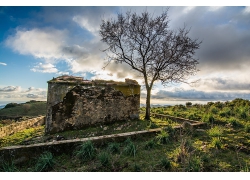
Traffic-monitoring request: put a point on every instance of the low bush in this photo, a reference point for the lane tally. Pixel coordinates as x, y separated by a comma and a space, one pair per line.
130, 148
162, 137
165, 163
114, 147
104, 158
8, 167
234, 122
86, 151
247, 128
45, 162
216, 143
195, 164
216, 131
150, 144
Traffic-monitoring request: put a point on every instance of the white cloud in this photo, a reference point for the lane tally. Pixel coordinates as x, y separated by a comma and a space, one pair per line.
45, 68
62, 73
246, 10
10, 89
85, 23
16, 93
41, 43
188, 9
4, 64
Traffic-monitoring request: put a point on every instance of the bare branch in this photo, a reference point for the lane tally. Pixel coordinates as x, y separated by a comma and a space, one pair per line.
148, 46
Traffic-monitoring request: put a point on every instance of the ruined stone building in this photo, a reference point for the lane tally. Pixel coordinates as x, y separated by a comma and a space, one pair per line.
74, 103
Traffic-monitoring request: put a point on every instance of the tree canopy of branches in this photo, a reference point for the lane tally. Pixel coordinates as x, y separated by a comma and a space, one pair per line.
148, 46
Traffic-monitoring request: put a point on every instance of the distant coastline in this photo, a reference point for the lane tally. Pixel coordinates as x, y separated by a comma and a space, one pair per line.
3, 103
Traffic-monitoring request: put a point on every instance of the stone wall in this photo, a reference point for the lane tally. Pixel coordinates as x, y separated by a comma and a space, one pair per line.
74, 103
19, 126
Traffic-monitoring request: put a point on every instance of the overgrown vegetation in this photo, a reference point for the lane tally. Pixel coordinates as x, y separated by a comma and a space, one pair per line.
45, 162
223, 146
21, 137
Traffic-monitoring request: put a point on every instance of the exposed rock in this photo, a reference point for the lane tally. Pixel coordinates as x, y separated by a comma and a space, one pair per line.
83, 107
74, 103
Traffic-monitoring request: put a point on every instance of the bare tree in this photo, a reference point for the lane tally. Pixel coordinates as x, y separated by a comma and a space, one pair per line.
148, 46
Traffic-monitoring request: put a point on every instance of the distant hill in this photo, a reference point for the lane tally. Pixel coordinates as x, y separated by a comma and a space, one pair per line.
15, 111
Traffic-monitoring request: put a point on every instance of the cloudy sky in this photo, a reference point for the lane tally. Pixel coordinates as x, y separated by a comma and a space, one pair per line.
42, 42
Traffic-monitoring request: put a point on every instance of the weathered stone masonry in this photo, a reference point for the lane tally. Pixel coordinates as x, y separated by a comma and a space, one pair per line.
74, 103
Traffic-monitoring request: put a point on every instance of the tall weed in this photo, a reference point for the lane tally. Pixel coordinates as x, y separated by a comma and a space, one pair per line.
45, 162
86, 151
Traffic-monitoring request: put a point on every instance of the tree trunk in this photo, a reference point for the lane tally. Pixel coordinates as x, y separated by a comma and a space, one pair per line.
147, 115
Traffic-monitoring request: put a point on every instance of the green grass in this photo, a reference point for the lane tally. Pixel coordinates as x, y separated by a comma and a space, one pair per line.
21, 136
223, 147
45, 162
27, 109
86, 151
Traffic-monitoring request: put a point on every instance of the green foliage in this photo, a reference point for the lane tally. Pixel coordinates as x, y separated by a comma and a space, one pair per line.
150, 144
26, 109
45, 162
234, 122
8, 167
216, 143
86, 151
104, 158
165, 163
10, 105
188, 104
114, 147
162, 137
20, 136
208, 118
213, 110
247, 128
130, 148
226, 112
216, 131
152, 125
195, 164
170, 130
137, 168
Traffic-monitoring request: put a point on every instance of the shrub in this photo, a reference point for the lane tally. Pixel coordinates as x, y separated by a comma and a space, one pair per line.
8, 167
195, 164
150, 144
114, 148
85, 151
152, 125
45, 162
234, 122
247, 128
209, 118
170, 130
216, 131
188, 104
130, 148
137, 168
243, 114
162, 137
104, 158
165, 163
213, 110
216, 143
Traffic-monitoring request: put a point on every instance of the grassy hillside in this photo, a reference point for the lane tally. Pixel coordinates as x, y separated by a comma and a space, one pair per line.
223, 146
31, 108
